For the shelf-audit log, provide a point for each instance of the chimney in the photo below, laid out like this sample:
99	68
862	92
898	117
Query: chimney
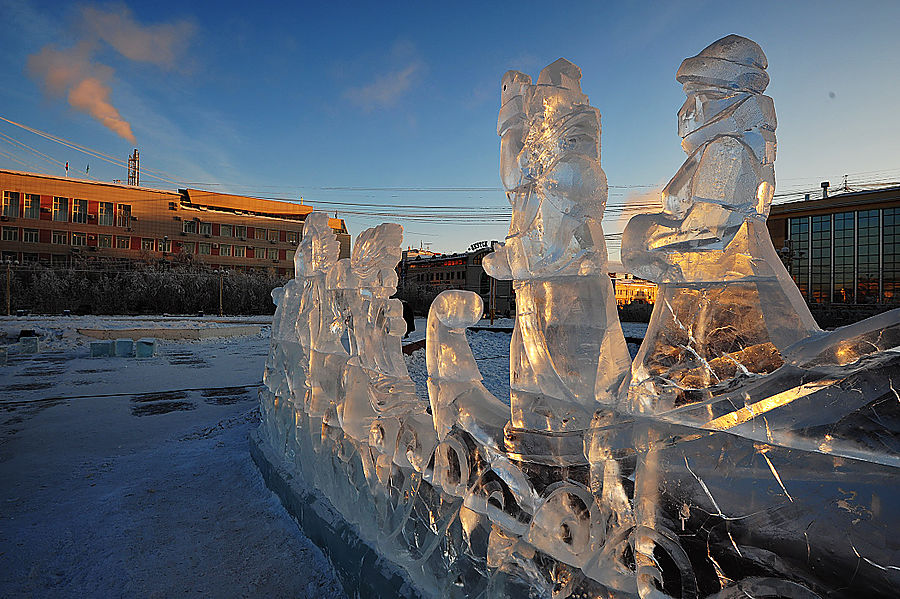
825	185
806	197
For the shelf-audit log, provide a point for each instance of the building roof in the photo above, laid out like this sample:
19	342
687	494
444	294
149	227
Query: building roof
207	199
87	182
278	208
884	195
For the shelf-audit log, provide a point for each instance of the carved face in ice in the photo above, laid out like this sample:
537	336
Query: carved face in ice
703	105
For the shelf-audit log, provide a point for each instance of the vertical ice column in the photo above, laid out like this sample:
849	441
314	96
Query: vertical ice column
726	306
320	331
376	380
567	352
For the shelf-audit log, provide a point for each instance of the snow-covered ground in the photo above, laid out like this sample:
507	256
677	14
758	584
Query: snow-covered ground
128	477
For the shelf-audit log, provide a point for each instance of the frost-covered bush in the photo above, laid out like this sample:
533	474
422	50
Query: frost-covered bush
130	289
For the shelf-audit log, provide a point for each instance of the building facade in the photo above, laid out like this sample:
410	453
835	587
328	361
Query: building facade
842	249
59	221
630	289
434	273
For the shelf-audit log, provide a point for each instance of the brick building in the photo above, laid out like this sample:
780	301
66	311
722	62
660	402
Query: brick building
63	222
437	272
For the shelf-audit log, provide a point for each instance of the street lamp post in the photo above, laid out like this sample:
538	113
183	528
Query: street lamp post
221	272
9	264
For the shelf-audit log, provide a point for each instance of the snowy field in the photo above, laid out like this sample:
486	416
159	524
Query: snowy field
128	477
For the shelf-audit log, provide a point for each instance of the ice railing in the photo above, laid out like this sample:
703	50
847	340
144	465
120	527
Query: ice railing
743	453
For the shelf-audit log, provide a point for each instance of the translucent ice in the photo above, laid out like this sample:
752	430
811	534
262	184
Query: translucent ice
567	352
746	453
727	307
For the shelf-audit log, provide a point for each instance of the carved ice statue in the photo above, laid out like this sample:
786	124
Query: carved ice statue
376	380
726	305
746	453
567	352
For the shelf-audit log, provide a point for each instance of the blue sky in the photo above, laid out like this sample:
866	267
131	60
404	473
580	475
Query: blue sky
399	100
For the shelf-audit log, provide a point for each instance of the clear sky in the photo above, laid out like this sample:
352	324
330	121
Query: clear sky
395	104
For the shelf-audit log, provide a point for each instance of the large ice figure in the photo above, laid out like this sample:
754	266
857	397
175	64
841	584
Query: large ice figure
750	424
567	350
726	307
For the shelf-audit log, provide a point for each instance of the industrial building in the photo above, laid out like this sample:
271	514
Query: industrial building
842	249
58	221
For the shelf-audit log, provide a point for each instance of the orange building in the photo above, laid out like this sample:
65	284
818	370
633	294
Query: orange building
64	222
630	289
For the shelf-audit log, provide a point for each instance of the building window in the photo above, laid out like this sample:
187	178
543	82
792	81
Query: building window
29	257
867	255
224	249
187	248
105	216
164	245
204	249
293	237
123	216
844	226
59	238
61	209
123	243
32	206
104	241
273	234
10	233
240	231
189	226
259	233
289	256
79	211
205	228
240	251
890	256
224	230
820	259
147	245
11	204
260	253
30	235
79	239
273	254
799	235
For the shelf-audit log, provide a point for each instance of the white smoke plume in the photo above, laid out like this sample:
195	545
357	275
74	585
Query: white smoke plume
74	73
72	70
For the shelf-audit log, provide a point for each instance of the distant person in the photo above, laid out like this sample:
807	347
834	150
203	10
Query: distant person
409	317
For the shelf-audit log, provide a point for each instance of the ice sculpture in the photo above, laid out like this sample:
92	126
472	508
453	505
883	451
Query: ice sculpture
726	304
567	350
745	453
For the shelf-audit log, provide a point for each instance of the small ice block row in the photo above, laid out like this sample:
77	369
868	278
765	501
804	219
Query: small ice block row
124	348
28	345
145	348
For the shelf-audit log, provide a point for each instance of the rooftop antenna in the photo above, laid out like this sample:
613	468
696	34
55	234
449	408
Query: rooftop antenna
134	168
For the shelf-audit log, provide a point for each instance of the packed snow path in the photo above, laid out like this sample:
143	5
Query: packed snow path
143	489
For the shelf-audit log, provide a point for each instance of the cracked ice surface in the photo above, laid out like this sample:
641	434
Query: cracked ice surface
743	453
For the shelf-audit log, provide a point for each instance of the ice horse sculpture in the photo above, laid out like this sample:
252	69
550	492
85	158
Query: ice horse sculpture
744	453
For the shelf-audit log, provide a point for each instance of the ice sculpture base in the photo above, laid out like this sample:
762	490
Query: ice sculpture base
362	571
